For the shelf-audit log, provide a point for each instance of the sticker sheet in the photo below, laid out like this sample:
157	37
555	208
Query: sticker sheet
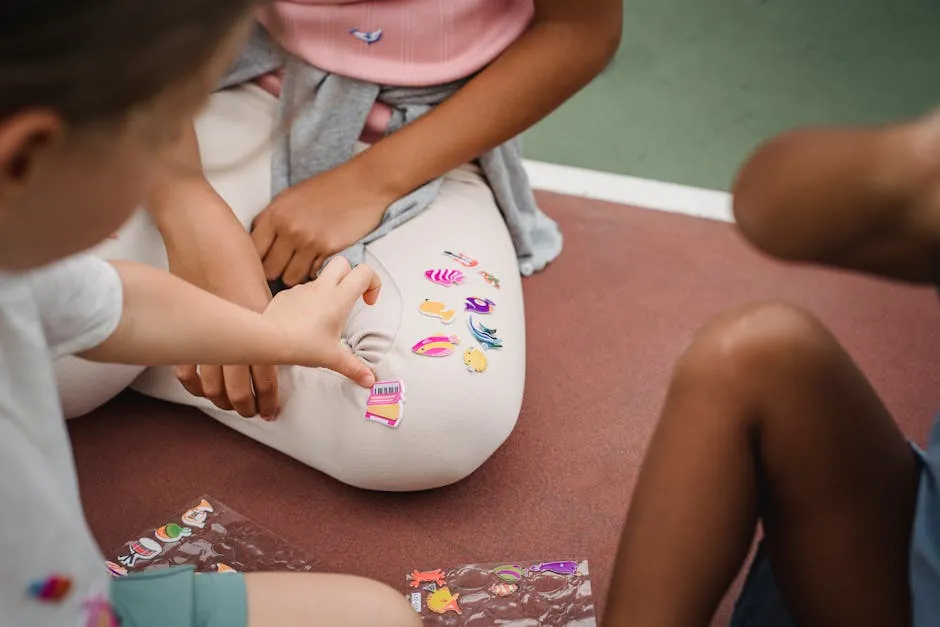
550	593
210	536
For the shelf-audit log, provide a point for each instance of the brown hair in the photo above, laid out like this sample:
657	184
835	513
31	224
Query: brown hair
93	60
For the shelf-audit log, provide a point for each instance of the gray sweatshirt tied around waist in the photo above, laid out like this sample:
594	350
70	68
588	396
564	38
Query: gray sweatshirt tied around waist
328	114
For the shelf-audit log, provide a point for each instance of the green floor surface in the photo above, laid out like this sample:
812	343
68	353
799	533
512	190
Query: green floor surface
698	83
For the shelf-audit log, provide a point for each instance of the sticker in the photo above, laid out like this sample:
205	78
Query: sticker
462	259
172	533
100	613
445	277
489	278
52	589
418	577
559	568
429	587
475	360
386	404
143	549
415	601
479	305
503	589
116	570
436	309
436	346
442	601
369	37
224	568
197	516
511	573
483	334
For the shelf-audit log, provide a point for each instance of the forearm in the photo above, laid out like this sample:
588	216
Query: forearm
851	198
205	242
167	321
207	246
568	44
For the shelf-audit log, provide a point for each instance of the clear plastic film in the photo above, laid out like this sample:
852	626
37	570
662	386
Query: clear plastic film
210	536
509	594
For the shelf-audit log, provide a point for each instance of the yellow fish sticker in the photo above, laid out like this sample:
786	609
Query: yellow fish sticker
475	360
436	309
442	601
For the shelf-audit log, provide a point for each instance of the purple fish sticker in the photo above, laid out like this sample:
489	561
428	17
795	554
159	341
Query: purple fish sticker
479	305
559	568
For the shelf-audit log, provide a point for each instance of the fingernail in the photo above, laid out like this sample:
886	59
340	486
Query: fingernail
368	380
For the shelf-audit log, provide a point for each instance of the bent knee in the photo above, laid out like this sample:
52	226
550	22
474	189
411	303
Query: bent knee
438	443
756	338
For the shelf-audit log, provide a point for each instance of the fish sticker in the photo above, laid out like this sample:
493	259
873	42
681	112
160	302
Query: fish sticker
478	305
197	516
415	598
172	533
99	613
115	570
446	278
143	549
503	589
475	360
511	573
489	278
559	568
224	568
386	404
418	577
435	309
436	346
462	259
442	601
369	37
52	589
483	334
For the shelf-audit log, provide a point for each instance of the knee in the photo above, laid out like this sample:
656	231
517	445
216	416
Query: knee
763	338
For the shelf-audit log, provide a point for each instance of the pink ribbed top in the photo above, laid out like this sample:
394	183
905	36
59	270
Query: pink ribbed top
416	42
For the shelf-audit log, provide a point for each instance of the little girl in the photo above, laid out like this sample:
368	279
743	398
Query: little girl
92	94
399	151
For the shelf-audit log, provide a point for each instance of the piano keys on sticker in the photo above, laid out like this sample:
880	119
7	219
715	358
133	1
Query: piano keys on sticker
386	403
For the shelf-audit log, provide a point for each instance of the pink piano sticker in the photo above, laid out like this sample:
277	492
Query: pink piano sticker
386	403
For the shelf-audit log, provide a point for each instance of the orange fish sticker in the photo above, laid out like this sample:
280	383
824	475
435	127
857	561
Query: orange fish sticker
442	601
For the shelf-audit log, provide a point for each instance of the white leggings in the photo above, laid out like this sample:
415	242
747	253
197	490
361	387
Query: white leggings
453	419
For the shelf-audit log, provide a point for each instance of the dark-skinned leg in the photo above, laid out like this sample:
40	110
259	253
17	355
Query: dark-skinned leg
768	418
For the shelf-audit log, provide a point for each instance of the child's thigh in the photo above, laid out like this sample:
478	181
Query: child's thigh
315	600
453	419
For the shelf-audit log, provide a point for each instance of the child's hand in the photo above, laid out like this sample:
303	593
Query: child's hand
311	318
309	222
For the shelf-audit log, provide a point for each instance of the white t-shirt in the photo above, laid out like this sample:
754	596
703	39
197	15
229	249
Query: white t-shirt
64	308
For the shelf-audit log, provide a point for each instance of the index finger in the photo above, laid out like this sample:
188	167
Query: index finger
362	281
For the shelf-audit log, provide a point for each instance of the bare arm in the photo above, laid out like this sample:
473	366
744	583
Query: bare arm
166	320
857	198
205	243
566	46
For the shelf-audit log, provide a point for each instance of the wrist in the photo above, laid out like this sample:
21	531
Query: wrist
390	177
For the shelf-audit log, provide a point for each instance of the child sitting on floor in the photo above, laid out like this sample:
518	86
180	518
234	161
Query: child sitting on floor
769	421
91	93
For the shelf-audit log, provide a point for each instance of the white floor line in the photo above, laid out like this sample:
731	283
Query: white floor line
630	190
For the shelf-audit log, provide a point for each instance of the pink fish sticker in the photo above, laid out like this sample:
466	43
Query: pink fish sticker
446	278
436	346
